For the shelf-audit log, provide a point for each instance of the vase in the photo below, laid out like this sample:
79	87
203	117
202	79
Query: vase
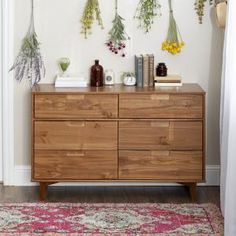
64	63
96	75
161	70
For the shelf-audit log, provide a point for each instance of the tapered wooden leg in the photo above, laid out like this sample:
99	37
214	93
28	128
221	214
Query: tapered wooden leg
193	191
42	191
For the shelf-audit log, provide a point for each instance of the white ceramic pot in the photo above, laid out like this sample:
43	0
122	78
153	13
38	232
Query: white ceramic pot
221	14
129	80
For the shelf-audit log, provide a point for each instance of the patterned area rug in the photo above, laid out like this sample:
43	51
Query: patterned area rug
110	219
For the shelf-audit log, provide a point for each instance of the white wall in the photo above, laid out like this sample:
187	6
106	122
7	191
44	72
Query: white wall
1	73
58	28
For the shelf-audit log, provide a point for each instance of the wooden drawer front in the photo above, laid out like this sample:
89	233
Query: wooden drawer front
75	135
161	106
75	165
76	106
161	165
162	135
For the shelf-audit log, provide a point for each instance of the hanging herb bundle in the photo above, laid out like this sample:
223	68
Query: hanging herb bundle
117	35
199	6
146	12
91	12
173	43
29	63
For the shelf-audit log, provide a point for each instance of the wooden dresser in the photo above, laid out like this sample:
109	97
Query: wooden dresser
118	134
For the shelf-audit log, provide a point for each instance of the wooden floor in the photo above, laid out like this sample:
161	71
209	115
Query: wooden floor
110	194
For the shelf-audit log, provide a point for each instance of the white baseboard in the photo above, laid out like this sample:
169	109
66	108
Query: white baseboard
22	177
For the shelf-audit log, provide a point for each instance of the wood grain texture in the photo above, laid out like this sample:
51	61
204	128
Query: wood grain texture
161	165
76	106
118	89
118	134
69	165
75	135
160	106
160	135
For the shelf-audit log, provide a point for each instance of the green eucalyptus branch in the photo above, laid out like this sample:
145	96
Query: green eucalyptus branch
29	63
146	12
91	12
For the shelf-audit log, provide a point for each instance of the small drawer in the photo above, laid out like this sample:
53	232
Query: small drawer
162	135
161	165
160	106
75	165
75	106
75	135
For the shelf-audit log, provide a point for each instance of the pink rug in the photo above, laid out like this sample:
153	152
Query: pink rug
110	219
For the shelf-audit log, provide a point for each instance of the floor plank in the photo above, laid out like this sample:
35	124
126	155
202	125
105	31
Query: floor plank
110	194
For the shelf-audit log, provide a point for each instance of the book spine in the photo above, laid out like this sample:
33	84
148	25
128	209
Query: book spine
151	70
145	71
139	70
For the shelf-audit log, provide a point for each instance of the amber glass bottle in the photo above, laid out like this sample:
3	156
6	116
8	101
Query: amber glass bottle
96	75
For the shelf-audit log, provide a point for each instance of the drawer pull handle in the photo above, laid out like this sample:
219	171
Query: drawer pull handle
77	97
75	154
160	153
160	97
160	124
81	124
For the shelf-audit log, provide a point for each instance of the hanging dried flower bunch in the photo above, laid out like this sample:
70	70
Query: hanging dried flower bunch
146	12
117	35
174	42
199	6
29	63
91	12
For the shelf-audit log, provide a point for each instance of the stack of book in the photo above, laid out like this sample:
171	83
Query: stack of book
170	80
144	70
70	82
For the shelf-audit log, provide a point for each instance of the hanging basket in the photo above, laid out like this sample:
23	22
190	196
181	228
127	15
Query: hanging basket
221	14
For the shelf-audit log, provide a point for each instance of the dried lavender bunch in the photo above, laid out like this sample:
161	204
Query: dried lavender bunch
29	63
199	7
146	12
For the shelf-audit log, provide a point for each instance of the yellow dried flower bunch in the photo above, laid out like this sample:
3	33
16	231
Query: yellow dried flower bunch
174	42
172	47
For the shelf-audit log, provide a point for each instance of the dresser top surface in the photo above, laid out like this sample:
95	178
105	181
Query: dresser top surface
119	89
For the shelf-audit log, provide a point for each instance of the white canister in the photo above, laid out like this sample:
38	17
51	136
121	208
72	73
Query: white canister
109	77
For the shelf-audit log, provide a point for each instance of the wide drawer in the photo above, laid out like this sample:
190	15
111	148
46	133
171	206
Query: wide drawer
74	165
75	135
75	106
161	165
160	106
161	135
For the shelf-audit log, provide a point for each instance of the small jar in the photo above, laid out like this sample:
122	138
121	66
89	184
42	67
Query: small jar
161	70
96	76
